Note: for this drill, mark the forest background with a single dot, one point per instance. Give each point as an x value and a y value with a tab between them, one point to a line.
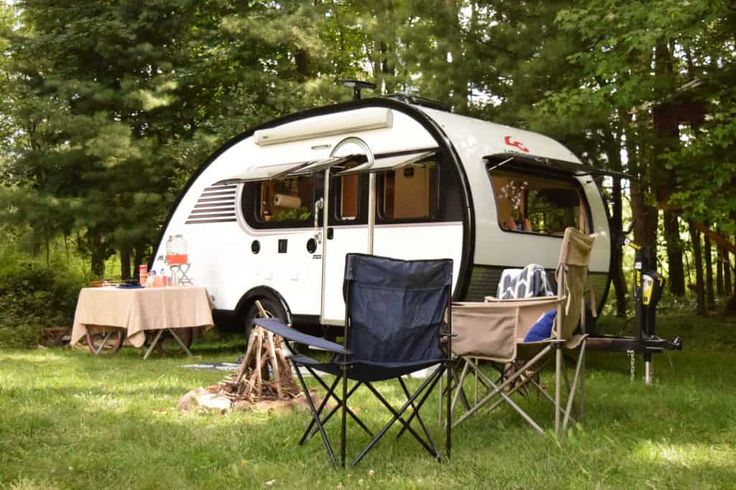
108	107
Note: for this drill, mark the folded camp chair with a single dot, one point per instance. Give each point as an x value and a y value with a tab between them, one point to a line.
495	331
396	322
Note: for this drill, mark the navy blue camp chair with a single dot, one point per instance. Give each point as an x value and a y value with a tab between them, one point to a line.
397	322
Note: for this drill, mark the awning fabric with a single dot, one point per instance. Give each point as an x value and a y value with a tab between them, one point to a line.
502	159
322	165
268	172
391	162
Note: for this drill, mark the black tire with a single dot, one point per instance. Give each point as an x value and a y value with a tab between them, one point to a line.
112	344
273	309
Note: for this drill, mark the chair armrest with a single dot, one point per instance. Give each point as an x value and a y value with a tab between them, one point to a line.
280	328
533	300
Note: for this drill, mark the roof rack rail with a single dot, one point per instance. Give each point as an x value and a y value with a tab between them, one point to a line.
422	101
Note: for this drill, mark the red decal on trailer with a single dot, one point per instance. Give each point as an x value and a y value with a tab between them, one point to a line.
515	144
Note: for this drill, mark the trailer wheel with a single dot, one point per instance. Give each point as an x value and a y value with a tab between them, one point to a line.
273	309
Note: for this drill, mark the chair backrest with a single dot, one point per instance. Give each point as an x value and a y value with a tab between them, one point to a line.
395	308
572	279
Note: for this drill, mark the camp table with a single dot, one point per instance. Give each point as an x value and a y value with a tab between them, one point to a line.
137	310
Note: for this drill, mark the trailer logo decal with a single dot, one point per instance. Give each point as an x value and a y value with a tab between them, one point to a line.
515	144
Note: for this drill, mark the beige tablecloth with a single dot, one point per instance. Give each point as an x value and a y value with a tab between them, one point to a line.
138	310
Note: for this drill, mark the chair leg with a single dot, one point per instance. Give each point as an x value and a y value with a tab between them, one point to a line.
507	396
459	392
499	391
344	420
311	430
315	414
558	382
415	412
427	386
448	421
578	370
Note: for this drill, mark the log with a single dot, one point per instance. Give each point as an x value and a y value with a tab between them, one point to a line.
264	373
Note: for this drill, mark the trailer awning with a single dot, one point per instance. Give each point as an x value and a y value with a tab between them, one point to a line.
499	160
392	162
322	165
276	171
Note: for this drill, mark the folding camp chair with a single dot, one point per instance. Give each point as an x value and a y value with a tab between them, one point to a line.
396	322
495	331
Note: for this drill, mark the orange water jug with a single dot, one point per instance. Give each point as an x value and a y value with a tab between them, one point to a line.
176	250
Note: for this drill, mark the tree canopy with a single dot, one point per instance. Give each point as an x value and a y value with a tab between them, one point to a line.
109	107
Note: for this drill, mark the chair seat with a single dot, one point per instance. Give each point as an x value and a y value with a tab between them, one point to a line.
367	371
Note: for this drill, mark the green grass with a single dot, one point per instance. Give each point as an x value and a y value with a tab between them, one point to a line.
72	420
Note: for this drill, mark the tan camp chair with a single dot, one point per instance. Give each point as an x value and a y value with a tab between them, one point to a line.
495	330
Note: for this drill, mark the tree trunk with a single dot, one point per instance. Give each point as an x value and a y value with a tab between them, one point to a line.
710	299
698	262
719	272
458	81
613	151
97	264
125	262
727	287
676	276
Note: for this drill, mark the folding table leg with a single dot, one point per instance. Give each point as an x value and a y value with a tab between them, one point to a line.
104	341
153	344
181	343
157	338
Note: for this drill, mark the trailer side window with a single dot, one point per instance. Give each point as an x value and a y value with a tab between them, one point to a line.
538	204
410	192
288	200
348	198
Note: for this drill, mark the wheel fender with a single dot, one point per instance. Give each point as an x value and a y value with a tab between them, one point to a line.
260	292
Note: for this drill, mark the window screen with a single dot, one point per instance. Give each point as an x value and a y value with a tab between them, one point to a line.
538	204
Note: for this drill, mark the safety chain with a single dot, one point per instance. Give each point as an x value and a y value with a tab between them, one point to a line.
632	365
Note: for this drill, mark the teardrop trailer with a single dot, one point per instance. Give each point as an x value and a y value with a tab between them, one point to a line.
272	214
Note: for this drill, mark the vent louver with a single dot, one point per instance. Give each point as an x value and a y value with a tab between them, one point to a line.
215	205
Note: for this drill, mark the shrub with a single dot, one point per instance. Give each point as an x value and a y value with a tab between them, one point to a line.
34	297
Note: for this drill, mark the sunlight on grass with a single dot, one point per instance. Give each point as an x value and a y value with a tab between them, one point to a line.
686	455
72	420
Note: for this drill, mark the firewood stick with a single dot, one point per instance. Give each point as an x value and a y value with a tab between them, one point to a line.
274	363
259	363
246	359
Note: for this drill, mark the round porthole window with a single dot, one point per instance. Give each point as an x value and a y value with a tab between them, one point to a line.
255	247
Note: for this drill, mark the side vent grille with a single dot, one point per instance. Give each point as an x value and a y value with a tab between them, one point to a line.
215	205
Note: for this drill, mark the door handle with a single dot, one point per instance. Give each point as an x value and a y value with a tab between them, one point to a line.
318	204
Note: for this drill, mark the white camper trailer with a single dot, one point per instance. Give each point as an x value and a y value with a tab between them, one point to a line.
272	214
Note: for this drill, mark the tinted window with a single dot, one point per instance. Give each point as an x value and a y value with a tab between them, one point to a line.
537	204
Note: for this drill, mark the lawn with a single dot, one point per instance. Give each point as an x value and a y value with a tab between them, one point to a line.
72	420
